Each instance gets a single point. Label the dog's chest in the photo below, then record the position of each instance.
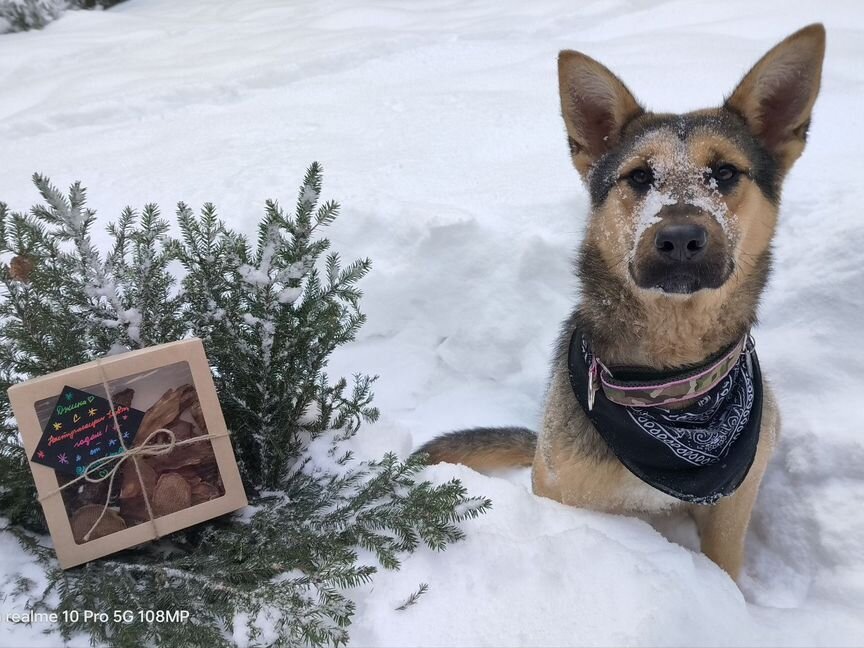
(564, 473)
(637, 496)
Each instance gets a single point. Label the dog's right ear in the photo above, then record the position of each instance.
(776, 97)
(595, 105)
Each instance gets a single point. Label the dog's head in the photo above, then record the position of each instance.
(688, 203)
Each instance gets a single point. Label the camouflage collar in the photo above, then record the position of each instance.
(632, 388)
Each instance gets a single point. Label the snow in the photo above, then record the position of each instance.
(309, 195)
(649, 213)
(438, 126)
(254, 276)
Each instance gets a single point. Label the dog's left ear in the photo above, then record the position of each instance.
(776, 97)
(595, 105)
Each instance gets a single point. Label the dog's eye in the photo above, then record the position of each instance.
(725, 173)
(640, 177)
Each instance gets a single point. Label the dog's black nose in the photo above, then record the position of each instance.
(681, 242)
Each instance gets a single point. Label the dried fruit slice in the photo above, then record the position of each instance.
(123, 398)
(131, 488)
(198, 417)
(172, 494)
(204, 492)
(86, 516)
(161, 414)
(193, 454)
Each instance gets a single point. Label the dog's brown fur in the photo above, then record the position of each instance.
(760, 130)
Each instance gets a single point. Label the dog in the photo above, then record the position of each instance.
(656, 401)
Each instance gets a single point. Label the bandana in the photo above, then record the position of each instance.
(698, 453)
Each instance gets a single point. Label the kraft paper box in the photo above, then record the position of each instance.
(167, 417)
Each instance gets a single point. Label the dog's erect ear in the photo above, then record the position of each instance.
(595, 104)
(776, 97)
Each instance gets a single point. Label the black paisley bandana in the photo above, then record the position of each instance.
(699, 453)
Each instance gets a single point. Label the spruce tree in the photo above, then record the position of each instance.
(23, 15)
(270, 312)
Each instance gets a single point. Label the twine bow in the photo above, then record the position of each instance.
(143, 450)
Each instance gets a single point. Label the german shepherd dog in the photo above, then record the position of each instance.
(675, 256)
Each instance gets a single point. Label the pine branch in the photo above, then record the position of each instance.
(270, 313)
(414, 597)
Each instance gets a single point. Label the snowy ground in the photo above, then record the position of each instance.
(438, 126)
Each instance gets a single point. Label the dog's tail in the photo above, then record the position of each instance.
(483, 449)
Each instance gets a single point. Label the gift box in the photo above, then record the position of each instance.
(127, 448)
